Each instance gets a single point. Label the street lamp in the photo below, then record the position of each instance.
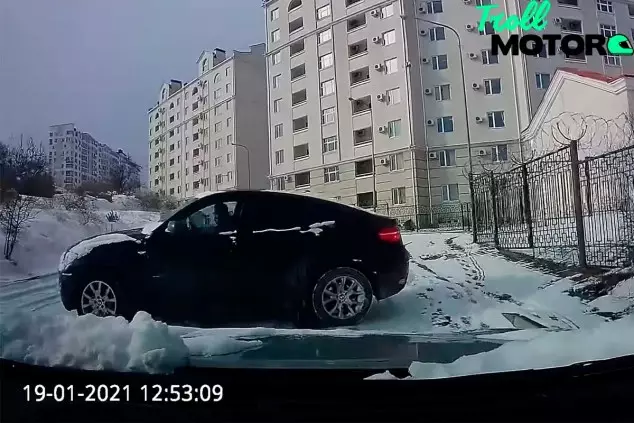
(248, 161)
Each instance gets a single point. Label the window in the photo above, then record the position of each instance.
(397, 162)
(447, 158)
(609, 31)
(229, 139)
(300, 124)
(219, 179)
(300, 151)
(483, 2)
(363, 168)
(488, 58)
(328, 116)
(398, 196)
(630, 10)
(323, 12)
(605, 6)
(218, 127)
(217, 161)
(387, 11)
(218, 143)
(279, 157)
(327, 87)
(276, 81)
(325, 61)
(275, 36)
(394, 128)
(279, 130)
(442, 92)
(391, 66)
(276, 58)
(574, 3)
(196, 152)
(488, 29)
(571, 25)
(302, 179)
(542, 80)
(331, 174)
(171, 133)
(229, 122)
(499, 153)
(437, 33)
(324, 36)
(434, 6)
(492, 86)
(612, 60)
(277, 105)
(389, 37)
(229, 157)
(365, 199)
(228, 88)
(394, 96)
(581, 57)
(445, 124)
(543, 52)
(450, 192)
(496, 119)
(275, 14)
(439, 62)
(329, 144)
(218, 93)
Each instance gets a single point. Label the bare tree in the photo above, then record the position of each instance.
(25, 169)
(14, 217)
(123, 178)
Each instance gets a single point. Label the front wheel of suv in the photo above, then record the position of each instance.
(342, 297)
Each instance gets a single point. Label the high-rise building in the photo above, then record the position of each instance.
(75, 157)
(210, 134)
(367, 97)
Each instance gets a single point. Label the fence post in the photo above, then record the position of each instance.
(528, 218)
(496, 237)
(576, 194)
(474, 226)
(461, 217)
(586, 168)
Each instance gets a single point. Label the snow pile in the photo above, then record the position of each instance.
(551, 349)
(210, 346)
(92, 343)
(85, 247)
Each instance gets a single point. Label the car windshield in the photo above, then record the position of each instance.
(491, 225)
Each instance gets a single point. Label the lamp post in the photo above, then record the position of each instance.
(248, 161)
(466, 112)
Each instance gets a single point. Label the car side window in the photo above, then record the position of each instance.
(276, 214)
(214, 219)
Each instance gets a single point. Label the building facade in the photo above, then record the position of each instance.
(374, 100)
(75, 158)
(210, 134)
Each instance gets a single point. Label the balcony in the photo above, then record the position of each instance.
(298, 72)
(300, 124)
(362, 136)
(361, 105)
(360, 75)
(356, 22)
(298, 97)
(295, 25)
(357, 48)
(297, 47)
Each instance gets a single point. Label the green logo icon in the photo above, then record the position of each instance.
(619, 45)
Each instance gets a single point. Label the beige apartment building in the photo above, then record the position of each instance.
(366, 97)
(210, 134)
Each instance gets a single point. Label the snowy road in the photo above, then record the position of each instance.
(453, 287)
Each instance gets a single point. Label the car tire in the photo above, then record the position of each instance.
(354, 302)
(108, 286)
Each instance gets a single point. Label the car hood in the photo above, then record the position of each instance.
(84, 247)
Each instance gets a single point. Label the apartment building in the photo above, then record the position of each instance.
(211, 134)
(75, 157)
(380, 99)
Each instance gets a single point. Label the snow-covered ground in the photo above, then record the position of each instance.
(453, 287)
(54, 229)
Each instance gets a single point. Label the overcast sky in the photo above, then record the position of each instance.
(100, 63)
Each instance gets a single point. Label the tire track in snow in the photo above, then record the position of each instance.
(30, 294)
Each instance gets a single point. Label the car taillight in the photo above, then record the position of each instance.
(392, 235)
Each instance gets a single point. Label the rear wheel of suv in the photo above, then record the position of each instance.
(342, 297)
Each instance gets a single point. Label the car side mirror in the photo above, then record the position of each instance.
(171, 227)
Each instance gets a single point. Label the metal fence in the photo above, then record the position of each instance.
(562, 209)
(449, 216)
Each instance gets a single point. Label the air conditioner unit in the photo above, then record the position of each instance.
(475, 86)
(423, 32)
(377, 40)
(422, 10)
(557, 21)
(425, 60)
(428, 91)
(470, 27)
(375, 13)
(430, 122)
(479, 119)
(384, 161)
(473, 56)
(433, 155)
(378, 66)
(382, 129)
(380, 97)
(482, 152)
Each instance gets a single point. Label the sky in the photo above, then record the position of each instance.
(100, 63)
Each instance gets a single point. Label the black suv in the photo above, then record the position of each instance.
(241, 255)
